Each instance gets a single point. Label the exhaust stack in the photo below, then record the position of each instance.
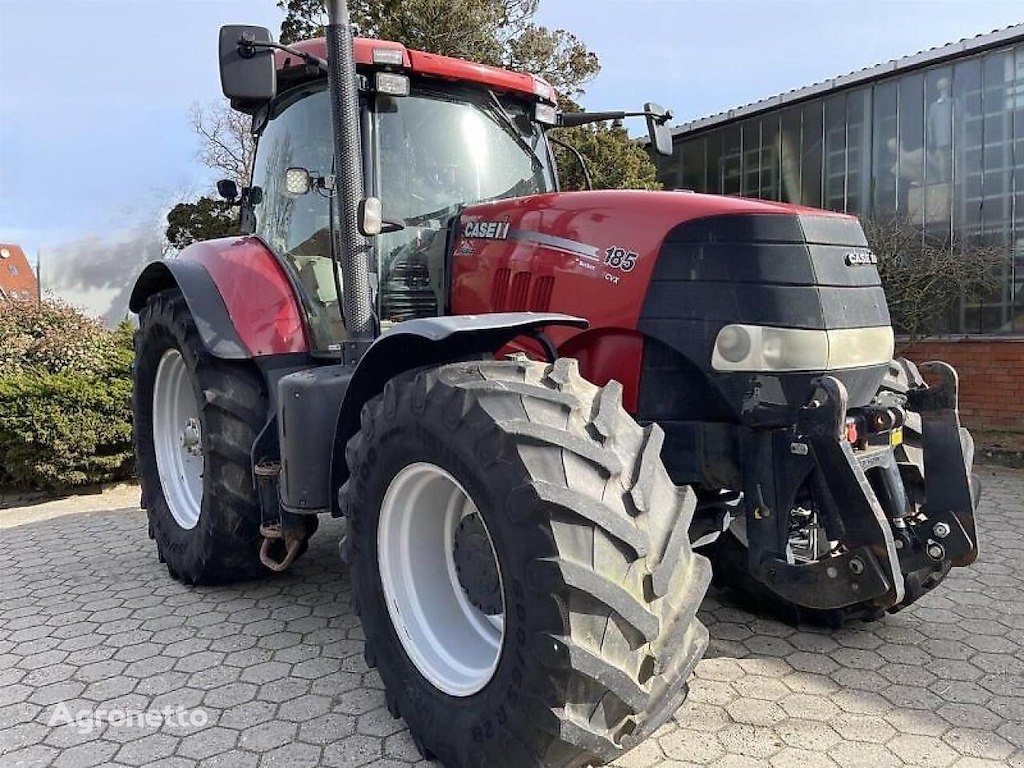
(350, 247)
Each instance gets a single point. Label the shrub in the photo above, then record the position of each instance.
(63, 430)
(54, 337)
(65, 398)
(924, 274)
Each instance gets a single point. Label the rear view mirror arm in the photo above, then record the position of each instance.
(573, 119)
(248, 45)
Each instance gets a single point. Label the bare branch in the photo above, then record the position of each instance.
(226, 142)
(925, 274)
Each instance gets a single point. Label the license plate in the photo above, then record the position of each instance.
(896, 436)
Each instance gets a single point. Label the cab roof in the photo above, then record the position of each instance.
(431, 65)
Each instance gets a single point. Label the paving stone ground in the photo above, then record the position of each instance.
(90, 620)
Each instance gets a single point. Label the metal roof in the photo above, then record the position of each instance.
(964, 47)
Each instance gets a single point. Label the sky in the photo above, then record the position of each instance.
(96, 145)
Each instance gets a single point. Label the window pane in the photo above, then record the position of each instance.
(790, 164)
(835, 153)
(769, 158)
(298, 226)
(997, 156)
(967, 169)
(997, 179)
(751, 158)
(910, 153)
(669, 168)
(811, 154)
(858, 154)
(693, 165)
(938, 142)
(1018, 207)
(731, 162)
(967, 138)
(713, 155)
(884, 146)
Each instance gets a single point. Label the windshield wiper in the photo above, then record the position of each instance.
(505, 121)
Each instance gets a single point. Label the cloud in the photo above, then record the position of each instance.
(97, 273)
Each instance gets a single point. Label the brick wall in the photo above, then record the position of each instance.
(991, 378)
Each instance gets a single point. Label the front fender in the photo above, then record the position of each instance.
(427, 341)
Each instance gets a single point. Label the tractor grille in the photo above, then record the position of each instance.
(499, 289)
(518, 292)
(542, 288)
(521, 292)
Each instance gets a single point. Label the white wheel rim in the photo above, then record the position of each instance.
(177, 439)
(452, 642)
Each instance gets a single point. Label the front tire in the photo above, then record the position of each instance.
(581, 584)
(195, 420)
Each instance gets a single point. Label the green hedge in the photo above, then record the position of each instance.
(65, 398)
(59, 431)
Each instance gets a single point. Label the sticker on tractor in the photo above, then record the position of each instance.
(854, 259)
(620, 258)
(486, 230)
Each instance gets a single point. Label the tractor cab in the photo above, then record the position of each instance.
(437, 134)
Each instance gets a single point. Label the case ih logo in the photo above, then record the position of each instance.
(487, 230)
(854, 259)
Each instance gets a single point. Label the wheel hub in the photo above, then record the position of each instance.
(475, 566)
(191, 437)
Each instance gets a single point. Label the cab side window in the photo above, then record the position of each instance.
(298, 226)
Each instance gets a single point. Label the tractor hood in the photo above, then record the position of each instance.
(676, 266)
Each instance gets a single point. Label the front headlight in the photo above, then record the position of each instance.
(762, 348)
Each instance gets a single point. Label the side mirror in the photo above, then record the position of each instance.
(228, 189)
(657, 128)
(248, 75)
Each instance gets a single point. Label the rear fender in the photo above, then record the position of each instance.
(425, 342)
(239, 294)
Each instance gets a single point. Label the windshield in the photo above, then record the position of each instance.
(433, 154)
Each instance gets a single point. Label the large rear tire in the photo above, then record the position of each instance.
(195, 420)
(521, 565)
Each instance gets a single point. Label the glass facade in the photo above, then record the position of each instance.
(941, 146)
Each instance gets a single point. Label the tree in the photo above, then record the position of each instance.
(303, 19)
(226, 143)
(500, 33)
(925, 274)
(614, 161)
(227, 146)
(203, 219)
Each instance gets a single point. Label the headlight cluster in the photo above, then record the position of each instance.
(762, 348)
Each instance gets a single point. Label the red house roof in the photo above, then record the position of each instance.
(17, 280)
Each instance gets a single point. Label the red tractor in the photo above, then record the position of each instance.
(529, 406)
